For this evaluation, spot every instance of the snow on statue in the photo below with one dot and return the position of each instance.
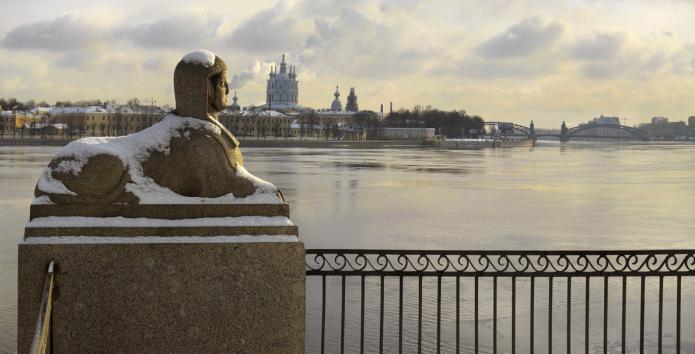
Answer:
(188, 157)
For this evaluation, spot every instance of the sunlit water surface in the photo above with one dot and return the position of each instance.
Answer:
(573, 196)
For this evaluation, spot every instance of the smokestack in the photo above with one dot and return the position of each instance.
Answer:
(382, 109)
(390, 107)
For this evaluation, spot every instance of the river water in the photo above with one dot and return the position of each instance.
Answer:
(554, 196)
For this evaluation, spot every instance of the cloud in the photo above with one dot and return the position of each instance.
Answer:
(31, 67)
(524, 38)
(357, 45)
(501, 69)
(269, 31)
(172, 32)
(600, 47)
(153, 64)
(74, 60)
(61, 34)
(251, 73)
(600, 71)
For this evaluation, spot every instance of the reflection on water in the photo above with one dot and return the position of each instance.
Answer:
(572, 196)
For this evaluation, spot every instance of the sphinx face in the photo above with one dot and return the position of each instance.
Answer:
(218, 100)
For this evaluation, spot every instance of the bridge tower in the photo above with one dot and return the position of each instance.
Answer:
(532, 131)
(564, 132)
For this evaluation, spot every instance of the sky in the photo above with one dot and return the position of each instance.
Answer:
(546, 60)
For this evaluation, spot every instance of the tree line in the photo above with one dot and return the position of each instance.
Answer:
(452, 124)
(368, 125)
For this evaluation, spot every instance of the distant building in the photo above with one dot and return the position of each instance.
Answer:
(603, 120)
(336, 106)
(17, 121)
(351, 105)
(282, 91)
(659, 120)
(256, 123)
(691, 122)
(408, 133)
(235, 105)
(665, 130)
(110, 120)
(95, 121)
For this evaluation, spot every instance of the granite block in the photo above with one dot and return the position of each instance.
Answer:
(159, 211)
(167, 297)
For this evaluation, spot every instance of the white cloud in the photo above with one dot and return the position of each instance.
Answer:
(253, 72)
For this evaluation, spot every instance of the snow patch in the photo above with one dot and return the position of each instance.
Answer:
(51, 185)
(119, 221)
(201, 57)
(77, 240)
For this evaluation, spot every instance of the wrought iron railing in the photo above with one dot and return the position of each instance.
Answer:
(624, 282)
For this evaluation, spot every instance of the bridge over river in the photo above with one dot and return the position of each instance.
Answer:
(582, 131)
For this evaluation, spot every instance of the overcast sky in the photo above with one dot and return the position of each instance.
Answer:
(546, 60)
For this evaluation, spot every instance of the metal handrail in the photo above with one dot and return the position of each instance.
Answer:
(499, 263)
(42, 333)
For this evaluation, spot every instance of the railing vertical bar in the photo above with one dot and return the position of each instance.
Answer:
(494, 315)
(323, 312)
(475, 300)
(641, 316)
(678, 314)
(458, 314)
(532, 312)
(605, 315)
(400, 314)
(439, 312)
(587, 295)
(381, 317)
(661, 311)
(569, 313)
(342, 316)
(513, 315)
(419, 315)
(623, 320)
(362, 286)
(550, 315)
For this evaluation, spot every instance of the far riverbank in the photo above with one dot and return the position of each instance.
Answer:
(461, 144)
(246, 142)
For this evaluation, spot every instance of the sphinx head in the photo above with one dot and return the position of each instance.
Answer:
(200, 85)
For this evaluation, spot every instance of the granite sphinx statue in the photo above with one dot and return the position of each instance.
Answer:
(187, 157)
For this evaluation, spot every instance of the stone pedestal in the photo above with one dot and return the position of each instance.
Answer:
(180, 289)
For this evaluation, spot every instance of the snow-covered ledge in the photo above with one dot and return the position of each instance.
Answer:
(76, 240)
(119, 221)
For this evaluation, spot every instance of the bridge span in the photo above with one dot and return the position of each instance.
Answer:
(584, 131)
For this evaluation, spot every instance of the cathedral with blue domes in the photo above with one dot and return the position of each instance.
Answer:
(283, 89)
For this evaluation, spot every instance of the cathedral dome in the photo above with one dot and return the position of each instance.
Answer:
(235, 105)
(336, 105)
